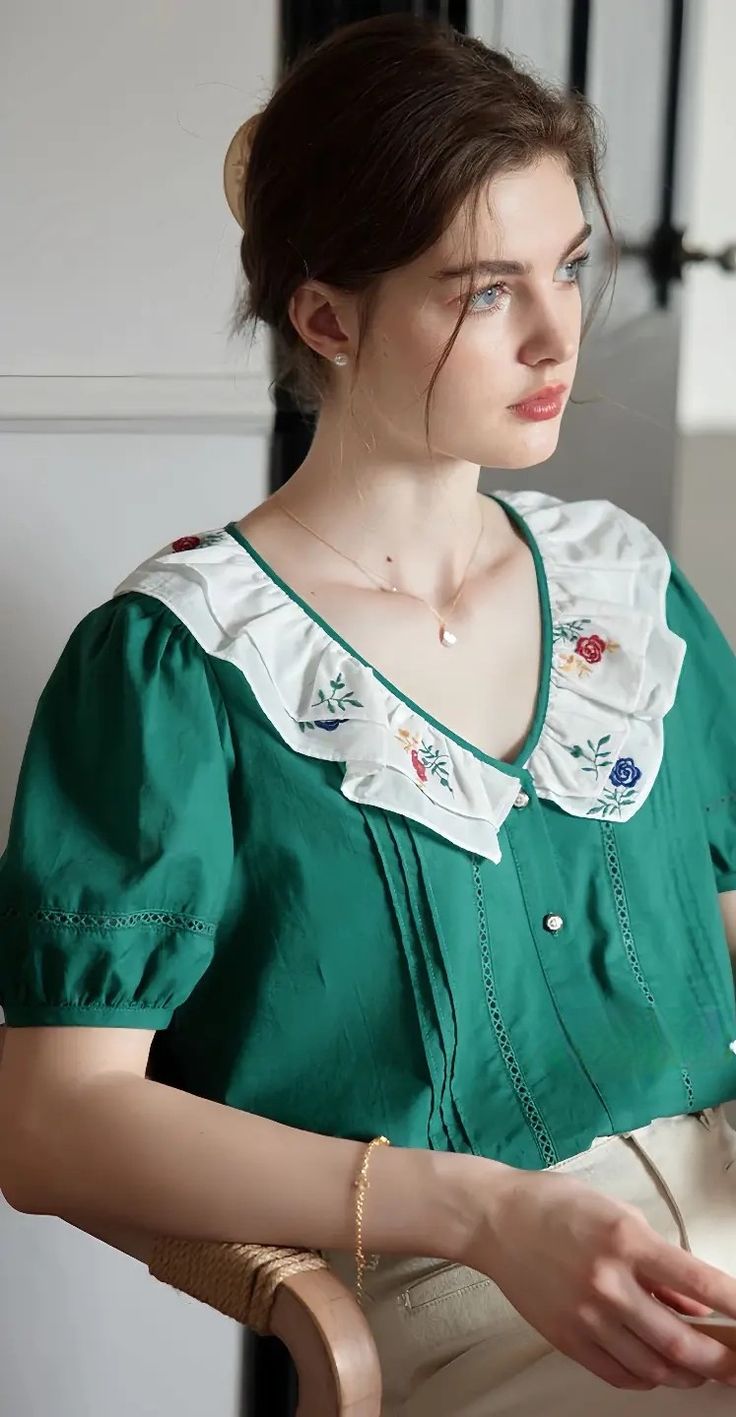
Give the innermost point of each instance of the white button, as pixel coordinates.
(522, 800)
(553, 923)
(732, 1046)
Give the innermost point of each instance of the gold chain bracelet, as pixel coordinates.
(362, 1183)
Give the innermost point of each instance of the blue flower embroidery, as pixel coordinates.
(624, 776)
(329, 724)
(625, 773)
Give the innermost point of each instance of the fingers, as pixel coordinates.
(681, 1302)
(671, 1343)
(666, 1265)
(603, 1365)
(643, 1361)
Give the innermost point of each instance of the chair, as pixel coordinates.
(291, 1294)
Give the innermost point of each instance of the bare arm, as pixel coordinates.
(125, 1158)
(727, 902)
(125, 1238)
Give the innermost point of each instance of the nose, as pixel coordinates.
(552, 334)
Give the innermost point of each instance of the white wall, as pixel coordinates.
(706, 395)
(117, 249)
(705, 502)
(126, 419)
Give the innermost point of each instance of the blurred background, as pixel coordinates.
(128, 418)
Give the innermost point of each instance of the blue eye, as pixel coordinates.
(494, 290)
(492, 297)
(575, 266)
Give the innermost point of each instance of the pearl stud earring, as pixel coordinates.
(341, 359)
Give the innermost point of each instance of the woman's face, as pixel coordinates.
(521, 333)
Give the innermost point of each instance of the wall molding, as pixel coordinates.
(237, 402)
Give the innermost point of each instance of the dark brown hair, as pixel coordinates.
(364, 155)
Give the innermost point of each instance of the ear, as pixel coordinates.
(322, 317)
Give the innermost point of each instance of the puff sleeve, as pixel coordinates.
(708, 689)
(120, 850)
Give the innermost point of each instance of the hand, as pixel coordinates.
(593, 1277)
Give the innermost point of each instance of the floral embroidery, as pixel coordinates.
(192, 543)
(329, 724)
(589, 649)
(333, 701)
(625, 777)
(340, 695)
(625, 773)
(425, 760)
(568, 629)
(601, 757)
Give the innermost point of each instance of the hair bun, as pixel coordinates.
(235, 169)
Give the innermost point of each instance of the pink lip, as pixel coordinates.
(545, 403)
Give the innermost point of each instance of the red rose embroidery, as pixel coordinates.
(418, 766)
(591, 648)
(186, 543)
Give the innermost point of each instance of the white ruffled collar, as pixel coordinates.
(611, 669)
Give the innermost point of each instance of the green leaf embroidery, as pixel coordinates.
(435, 763)
(340, 695)
(569, 630)
(600, 758)
(614, 799)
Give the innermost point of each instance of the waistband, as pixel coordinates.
(707, 1117)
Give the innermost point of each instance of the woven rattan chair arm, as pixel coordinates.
(294, 1295)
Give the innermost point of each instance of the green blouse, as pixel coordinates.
(334, 911)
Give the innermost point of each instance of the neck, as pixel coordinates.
(376, 503)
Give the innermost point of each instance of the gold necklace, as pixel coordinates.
(447, 638)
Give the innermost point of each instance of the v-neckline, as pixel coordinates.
(543, 686)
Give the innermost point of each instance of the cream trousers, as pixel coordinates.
(450, 1343)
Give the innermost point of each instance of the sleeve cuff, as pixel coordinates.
(85, 1016)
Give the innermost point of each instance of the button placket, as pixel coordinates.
(550, 966)
(576, 1035)
(552, 922)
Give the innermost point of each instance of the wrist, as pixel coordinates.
(425, 1202)
(474, 1193)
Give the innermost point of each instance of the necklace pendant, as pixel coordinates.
(446, 637)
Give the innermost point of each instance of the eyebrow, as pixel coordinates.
(506, 268)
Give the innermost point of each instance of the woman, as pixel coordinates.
(394, 809)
